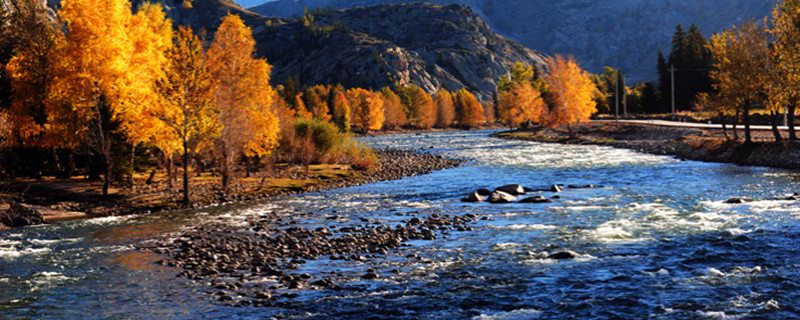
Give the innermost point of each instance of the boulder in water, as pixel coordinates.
(535, 199)
(588, 186)
(734, 200)
(484, 192)
(512, 189)
(565, 254)
(473, 197)
(556, 188)
(501, 197)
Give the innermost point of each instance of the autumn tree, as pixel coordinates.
(242, 94)
(445, 110)
(367, 109)
(520, 105)
(572, 92)
(93, 68)
(36, 40)
(784, 82)
(393, 110)
(187, 107)
(421, 108)
(150, 33)
(742, 55)
(315, 100)
(340, 108)
(469, 112)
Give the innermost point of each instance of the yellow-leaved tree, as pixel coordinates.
(187, 107)
(150, 34)
(521, 104)
(242, 94)
(393, 110)
(92, 70)
(367, 109)
(31, 72)
(785, 78)
(469, 112)
(740, 69)
(445, 110)
(421, 107)
(572, 92)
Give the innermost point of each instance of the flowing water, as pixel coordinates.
(655, 239)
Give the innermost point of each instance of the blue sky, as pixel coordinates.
(250, 3)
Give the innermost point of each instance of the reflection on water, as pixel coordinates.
(655, 240)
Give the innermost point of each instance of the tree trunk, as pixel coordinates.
(69, 168)
(746, 117)
(724, 128)
(185, 168)
(775, 117)
(790, 120)
(736, 122)
(225, 169)
(169, 165)
(133, 159)
(105, 148)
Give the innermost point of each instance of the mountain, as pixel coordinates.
(432, 46)
(622, 34)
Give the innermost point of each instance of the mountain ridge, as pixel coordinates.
(624, 34)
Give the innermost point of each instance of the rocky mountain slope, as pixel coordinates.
(432, 46)
(623, 34)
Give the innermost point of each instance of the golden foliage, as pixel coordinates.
(521, 104)
(446, 112)
(367, 109)
(741, 56)
(315, 101)
(422, 108)
(242, 94)
(393, 110)
(151, 37)
(38, 41)
(187, 106)
(340, 109)
(469, 112)
(572, 92)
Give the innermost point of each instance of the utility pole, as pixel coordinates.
(672, 76)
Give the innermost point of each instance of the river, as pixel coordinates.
(656, 240)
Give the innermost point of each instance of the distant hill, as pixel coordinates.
(619, 33)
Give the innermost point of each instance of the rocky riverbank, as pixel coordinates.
(256, 264)
(709, 145)
(53, 200)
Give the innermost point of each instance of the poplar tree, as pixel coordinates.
(242, 94)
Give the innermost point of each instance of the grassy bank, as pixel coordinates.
(59, 199)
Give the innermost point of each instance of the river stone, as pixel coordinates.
(566, 254)
(501, 197)
(535, 199)
(513, 189)
(734, 200)
(19, 215)
(473, 197)
(484, 192)
(556, 188)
